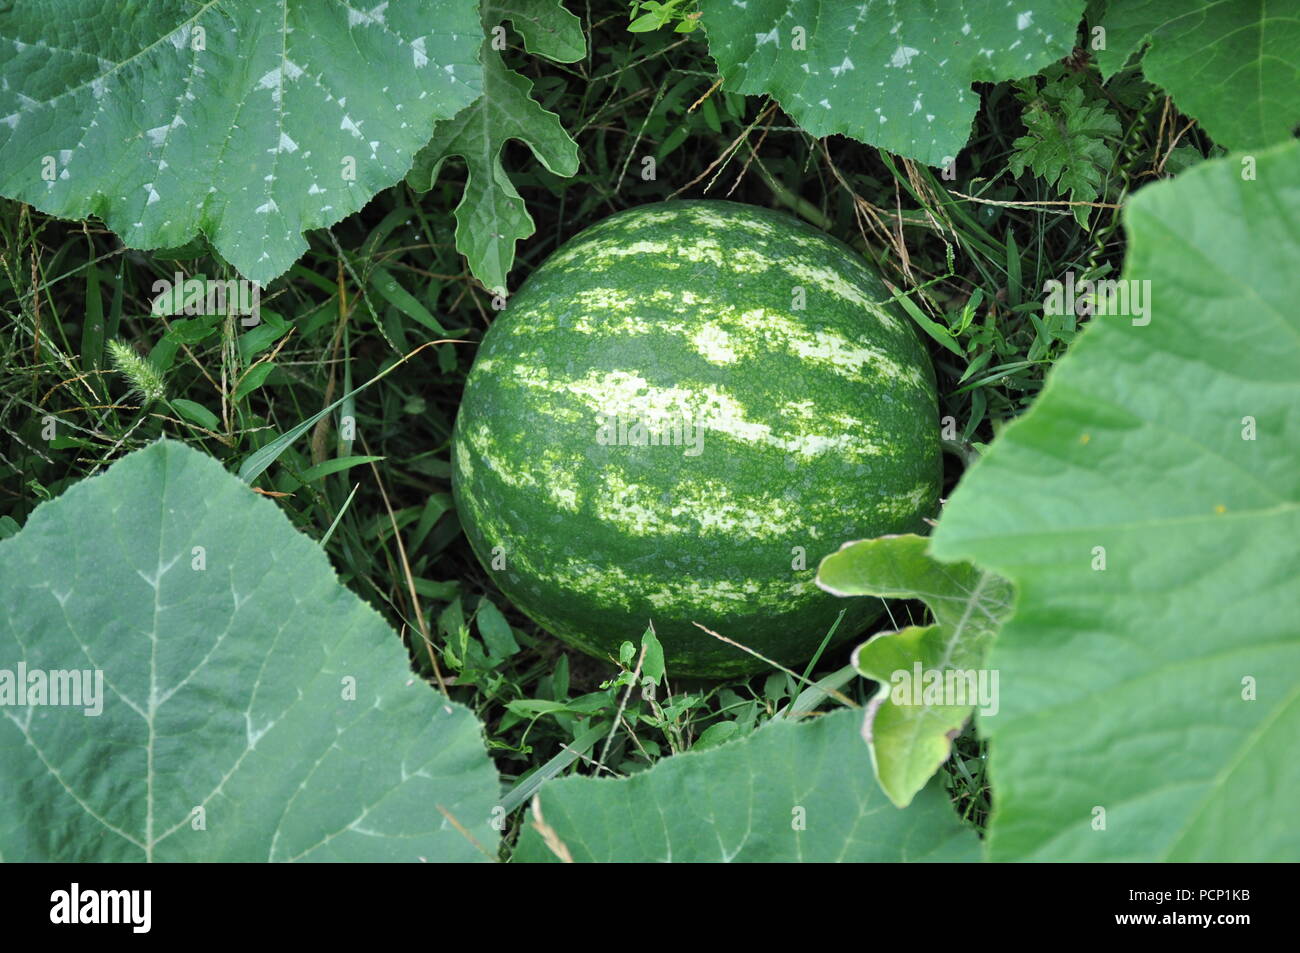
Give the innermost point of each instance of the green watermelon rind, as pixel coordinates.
(835, 410)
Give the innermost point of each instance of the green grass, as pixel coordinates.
(370, 291)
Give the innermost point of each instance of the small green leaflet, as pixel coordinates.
(401, 299)
(788, 792)
(1147, 510)
(253, 378)
(909, 741)
(491, 216)
(1068, 143)
(251, 121)
(1234, 65)
(196, 413)
(253, 709)
(893, 73)
(495, 630)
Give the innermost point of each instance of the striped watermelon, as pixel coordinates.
(678, 415)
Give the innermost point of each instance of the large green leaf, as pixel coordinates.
(1232, 64)
(789, 792)
(909, 734)
(893, 73)
(239, 677)
(1146, 511)
(242, 119)
(491, 216)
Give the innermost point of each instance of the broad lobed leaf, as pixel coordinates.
(251, 121)
(1146, 509)
(253, 709)
(893, 73)
(789, 792)
(1232, 64)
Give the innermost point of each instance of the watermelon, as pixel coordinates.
(678, 415)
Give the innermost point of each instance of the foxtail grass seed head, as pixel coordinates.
(145, 379)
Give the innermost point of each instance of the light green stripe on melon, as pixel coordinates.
(610, 247)
(644, 219)
(905, 505)
(832, 282)
(460, 459)
(599, 305)
(632, 397)
(632, 227)
(488, 524)
(818, 348)
(549, 472)
(726, 597)
(698, 505)
(485, 363)
(702, 215)
(715, 344)
(669, 593)
(610, 253)
(729, 334)
(482, 441)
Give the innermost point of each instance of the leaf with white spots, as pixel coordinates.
(1232, 64)
(789, 792)
(251, 707)
(893, 73)
(1147, 509)
(251, 122)
(908, 735)
(491, 216)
